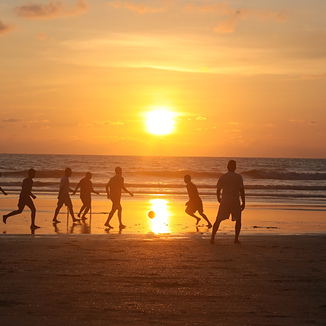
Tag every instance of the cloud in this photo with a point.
(51, 10)
(5, 28)
(296, 121)
(201, 118)
(139, 8)
(42, 36)
(313, 77)
(113, 123)
(98, 123)
(229, 25)
(11, 120)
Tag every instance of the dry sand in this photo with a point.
(118, 280)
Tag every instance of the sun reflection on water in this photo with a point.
(160, 221)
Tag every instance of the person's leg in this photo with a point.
(190, 212)
(68, 202)
(71, 211)
(87, 208)
(215, 228)
(113, 209)
(86, 200)
(201, 212)
(33, 214)
(56, 212)
(237, 231)
(81, 210)
(121, 226)
(18, 211)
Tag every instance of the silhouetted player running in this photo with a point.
(25, 199)
(113, 190)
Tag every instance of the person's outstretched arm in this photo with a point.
(126, 190)
(94, 191)
(76, 189)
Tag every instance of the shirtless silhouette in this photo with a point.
(195, 203)
(86, 189)
(25, 199)
(113, 189)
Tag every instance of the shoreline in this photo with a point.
(266, 218)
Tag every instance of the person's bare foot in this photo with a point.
(4, 219)
(33, 227)
(55, 221)
(76, 220)
(236, 241)
(198, 219)
(122, 226)
(108, 225)
(209, 225)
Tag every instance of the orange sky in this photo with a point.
(243, 80)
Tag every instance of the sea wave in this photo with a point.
(264, 174)
(161, 185)
(40, 174)
(170, 174)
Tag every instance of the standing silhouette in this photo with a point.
(64, 197)
(86, 189)
(25, 199)
(231, 185)
(113, 190)
(2, 189)
(195, 203)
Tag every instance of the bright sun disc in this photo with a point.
(160, 122)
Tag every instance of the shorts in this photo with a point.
(64, 200)
(225, 211)
(86, 200)
(25, 201)
(194, 206)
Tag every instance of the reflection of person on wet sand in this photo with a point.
(231, 185)
(25, 199)
(2, 189)
(195, 203)
(64, 197)
(86, 189)
(113, 190)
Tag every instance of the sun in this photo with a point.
(160, 122)
(160, 221)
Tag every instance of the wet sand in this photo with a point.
(116, 279)
(257, 218)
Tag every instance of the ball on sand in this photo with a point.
(151, 214)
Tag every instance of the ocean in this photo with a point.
(268, 181)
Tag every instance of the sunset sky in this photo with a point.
(240, 78)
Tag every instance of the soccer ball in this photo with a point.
(151, 214)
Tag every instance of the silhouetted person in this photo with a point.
(113, 190)
(2, 189)
(25, 199)
(86, 189)
(64, 197)
(195, 203)
(231, 185)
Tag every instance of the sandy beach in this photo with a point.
(163, 273)
(117, 280)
